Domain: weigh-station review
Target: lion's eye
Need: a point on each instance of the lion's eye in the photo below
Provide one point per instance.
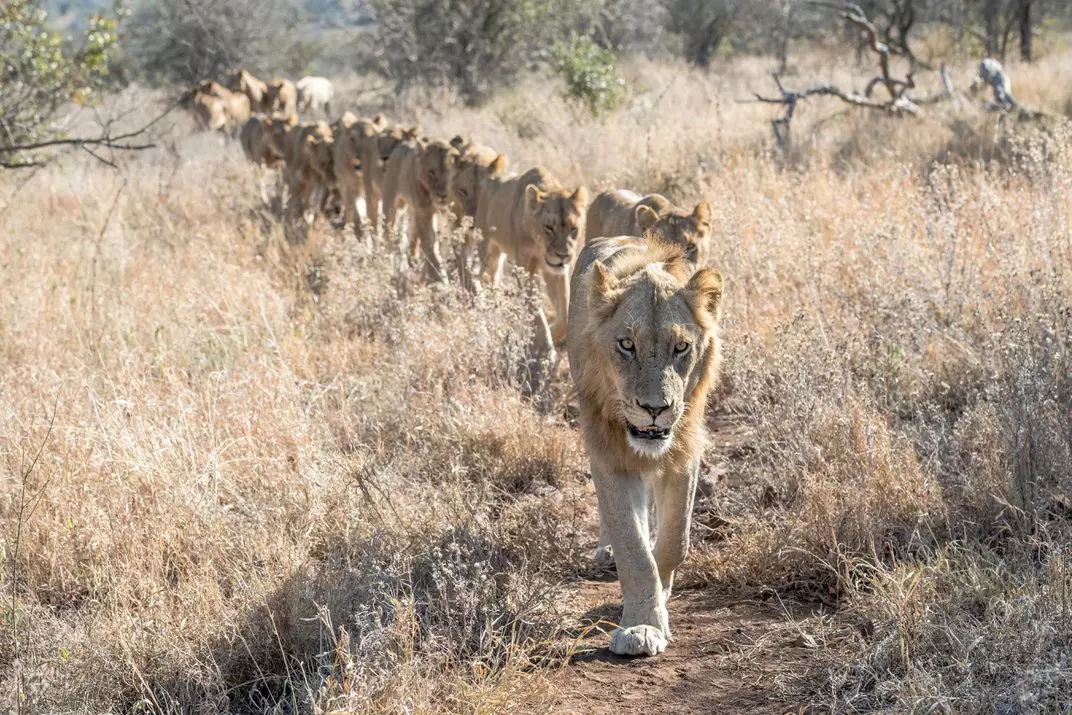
(550, 230)
(626, 345)
(681, 348)
(462, 193)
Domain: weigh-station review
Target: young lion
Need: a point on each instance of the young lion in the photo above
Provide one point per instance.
(623, 213)
(537, 224)
(418, 175)
(307, 150)
(379, 139)
(349, 161)
(644, 353)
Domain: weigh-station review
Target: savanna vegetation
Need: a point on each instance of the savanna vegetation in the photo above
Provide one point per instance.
(239, 474)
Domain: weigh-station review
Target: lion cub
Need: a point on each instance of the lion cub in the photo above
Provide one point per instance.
(624, 213)
(418, 175)
(644, 353)
(537, 224)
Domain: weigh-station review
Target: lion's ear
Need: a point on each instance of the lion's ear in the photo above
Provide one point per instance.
(379, 121)
(580, 197)
(458, 141)
(645, 217)
(533, 199)
(498, 167)
(701, 216)
(602, 291)
(706, 287)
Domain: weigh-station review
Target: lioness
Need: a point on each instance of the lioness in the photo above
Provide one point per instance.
(418, 175)
(349, 161)
(470, 173)
(245, 83)
(309, 167)
(644, 353)
(315, 95)
(263, 139)
(281, 97)
(215, 107)
(623, 213)
(537, 224)
(377, 145)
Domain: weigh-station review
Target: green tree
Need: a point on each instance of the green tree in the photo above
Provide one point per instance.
(589, 73)
(41, 72)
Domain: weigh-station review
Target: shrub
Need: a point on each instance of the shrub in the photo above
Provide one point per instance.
(589, 73)
(40, 71)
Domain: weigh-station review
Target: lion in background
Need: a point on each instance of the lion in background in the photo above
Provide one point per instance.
(417, 175)
(624, 213)
(216, 108)
(644, 353)
(538, 224)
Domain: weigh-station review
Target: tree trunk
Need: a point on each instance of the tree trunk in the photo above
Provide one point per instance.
(1025, 30)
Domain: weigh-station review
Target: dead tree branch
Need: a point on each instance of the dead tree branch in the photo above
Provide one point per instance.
(106, 140)
(899, 102)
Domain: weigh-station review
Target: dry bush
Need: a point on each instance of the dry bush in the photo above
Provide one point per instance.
(294, 477)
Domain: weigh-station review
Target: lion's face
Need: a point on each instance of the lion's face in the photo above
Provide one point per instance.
(558, 218)
(690, 231)
(656, 336)
(318, 151)
(434, 167)
(390, 138)
(468, 175)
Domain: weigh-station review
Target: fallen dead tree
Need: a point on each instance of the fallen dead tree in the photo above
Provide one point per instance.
(897, 102)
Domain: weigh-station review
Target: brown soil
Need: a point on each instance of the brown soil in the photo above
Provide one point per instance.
(728, 655)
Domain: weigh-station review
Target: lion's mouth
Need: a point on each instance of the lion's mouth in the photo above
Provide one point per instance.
(651, 432)
(555, 267)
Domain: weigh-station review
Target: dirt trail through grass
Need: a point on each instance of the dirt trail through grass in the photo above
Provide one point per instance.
(726, 657)
(729, 654)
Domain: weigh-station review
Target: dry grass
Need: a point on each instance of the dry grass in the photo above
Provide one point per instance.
(290, 478)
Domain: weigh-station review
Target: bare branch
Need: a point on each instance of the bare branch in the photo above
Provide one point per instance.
(106, 141)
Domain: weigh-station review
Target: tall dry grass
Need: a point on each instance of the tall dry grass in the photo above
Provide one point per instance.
(292, 478)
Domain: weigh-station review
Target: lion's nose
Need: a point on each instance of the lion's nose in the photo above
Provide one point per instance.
(653, 410)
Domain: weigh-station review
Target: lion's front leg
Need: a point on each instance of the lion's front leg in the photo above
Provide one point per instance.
(558, 291)
(674, 495)
(623, 511)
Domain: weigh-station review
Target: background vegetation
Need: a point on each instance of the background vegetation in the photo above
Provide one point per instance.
(238, 475)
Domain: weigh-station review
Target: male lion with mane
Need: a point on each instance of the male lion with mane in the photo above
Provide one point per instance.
(644, 353)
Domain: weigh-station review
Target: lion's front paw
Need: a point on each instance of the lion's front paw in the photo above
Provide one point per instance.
(637, 640)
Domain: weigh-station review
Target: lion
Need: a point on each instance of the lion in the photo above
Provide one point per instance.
(644, 353)
(215, 107)
(417, 174)
(349, 161)
(624, 213)
(379, 139)
(245, 83)
(470, 173)
(315, 95)
(281, 98)
(537, 224)
(263, 138)
(308, 152)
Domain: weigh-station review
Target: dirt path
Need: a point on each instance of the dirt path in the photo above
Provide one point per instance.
(726, 657)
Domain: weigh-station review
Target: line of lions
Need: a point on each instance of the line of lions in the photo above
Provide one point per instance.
(627, 282)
